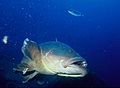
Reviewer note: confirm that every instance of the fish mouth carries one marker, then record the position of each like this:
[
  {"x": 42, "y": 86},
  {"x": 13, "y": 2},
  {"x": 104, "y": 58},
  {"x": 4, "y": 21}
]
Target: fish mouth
[
  {"x": 82, "y": 64},
  {"x": 73, "y": 71},
  {"x": 74, "y": 68},
  {"x": 71, "y": 75},
  {"x": 75, "y": 61}
]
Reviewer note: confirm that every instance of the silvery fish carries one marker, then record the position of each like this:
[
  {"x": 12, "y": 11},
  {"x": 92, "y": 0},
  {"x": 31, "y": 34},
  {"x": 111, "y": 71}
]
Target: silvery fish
[
  {"x": 50, "y": 58},
  {"x": 75, "y": 13}
]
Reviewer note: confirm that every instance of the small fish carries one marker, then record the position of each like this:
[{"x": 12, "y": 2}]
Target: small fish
[
  {"x": 50, "y": 58},
  {"x": 75, "y": 13}
]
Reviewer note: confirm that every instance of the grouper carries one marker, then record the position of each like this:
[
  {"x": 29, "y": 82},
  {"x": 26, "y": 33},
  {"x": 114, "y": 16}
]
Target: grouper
[{"x": 50, "y": 58}]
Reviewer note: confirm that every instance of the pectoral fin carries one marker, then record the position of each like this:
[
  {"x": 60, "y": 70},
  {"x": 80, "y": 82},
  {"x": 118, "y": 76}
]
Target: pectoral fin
[{"x": 30, "y": 49}]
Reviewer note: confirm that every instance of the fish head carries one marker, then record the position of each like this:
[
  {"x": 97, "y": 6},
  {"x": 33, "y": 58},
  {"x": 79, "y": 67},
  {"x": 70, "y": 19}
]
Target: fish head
[
  {"x": 64, "y": 66},
  {"x": 74, "y": 67}
]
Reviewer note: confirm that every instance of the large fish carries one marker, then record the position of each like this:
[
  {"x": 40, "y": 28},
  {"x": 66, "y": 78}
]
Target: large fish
[{"x": 50, "y": 58}]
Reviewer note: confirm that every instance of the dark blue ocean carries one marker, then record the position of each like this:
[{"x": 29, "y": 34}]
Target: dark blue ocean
[{"x": 95, "y": 35}]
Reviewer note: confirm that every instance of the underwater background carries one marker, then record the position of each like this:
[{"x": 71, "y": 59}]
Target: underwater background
[{"x": 95, "y": 35}]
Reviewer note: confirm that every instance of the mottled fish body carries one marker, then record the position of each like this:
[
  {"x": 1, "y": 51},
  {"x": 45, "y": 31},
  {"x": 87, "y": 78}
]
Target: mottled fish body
[{"x": 50, "y": 58}]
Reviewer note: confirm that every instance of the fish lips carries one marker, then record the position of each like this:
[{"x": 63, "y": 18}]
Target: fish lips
[{"x": 76, "y": 69}]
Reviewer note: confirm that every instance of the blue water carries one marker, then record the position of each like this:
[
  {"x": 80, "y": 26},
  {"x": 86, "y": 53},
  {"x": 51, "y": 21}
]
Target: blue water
[{"x": 95, "y": 36}]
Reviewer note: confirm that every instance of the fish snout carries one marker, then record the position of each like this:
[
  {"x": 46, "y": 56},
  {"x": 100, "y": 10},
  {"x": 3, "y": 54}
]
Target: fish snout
[
  {"x": 76, "y": 69},
  {"x": 84, "y": 64}
]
